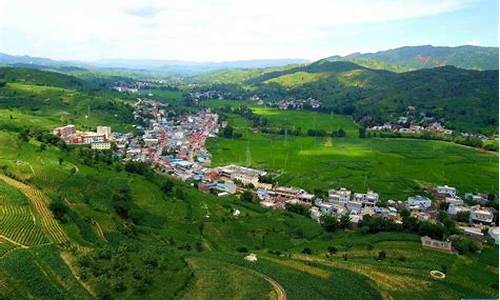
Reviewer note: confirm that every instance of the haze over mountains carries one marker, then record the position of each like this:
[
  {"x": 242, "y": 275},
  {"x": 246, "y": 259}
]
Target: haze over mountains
[{"x": 397, "y": 60}]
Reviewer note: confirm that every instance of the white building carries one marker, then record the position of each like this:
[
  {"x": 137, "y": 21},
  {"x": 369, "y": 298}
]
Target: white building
[
  {"x": 101, "y": 146},
  {"x": 418, "y": 203},
  {"x": 455, "y": 209},
  {"x": 104, "y": 130},
  {"x": 479, "y": 215},
  {"x": 454, "y": 201},
  {"x": 444, "y": 191},
  {"x": 342, "y": 195},
  {"x": 493, "y": 232}
]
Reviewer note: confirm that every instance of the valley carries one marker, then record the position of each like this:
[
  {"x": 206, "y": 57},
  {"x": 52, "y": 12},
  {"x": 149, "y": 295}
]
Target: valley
[{"x": 155, "y": 216}]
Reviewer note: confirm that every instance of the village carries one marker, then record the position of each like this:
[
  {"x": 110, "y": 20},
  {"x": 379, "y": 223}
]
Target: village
[
  {"x": 175, "y": 145},
  {"x": 412, "y": 122}
]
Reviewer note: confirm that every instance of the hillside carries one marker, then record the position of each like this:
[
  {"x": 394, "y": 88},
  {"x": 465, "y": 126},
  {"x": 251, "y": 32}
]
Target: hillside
[
  {"x": 419, "y": 57},
  {"x": 465, "y": 100}
]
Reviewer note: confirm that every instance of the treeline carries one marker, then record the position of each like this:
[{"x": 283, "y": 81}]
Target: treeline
[{"x": 471, "y": 141}]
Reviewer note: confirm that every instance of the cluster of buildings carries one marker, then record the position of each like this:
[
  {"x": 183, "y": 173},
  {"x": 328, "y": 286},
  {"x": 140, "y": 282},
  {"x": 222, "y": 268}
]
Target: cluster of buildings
[
  {"x": 135, "y": 86},
  {"x": 402, "y": 126},
  {"x": 234, "y": 179},
  {"x": 298, "y": 103},
  {"x": 100, "y": 139},
  {"x": 175, "y": 144}
]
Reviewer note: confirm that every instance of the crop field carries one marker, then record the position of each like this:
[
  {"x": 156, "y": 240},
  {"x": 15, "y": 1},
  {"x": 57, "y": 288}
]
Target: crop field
[
  {"x": 17, "y": 220},
  {"x": 219, "y": 280},
  {"x": 394, "y": 168}
]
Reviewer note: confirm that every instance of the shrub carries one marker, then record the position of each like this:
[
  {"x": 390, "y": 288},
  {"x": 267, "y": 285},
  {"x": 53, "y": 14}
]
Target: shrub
[{"x": 307, "y": 251}]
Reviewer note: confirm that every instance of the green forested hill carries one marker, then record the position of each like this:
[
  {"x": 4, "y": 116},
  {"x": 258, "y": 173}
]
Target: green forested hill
[
  {"x": 418, "y": 57},
  {"x": 465, "y": 100}
]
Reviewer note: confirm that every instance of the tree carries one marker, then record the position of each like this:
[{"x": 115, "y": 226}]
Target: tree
[
  {"x": 307, "y": 251},
  {"x": 228, "y": 132},
  {"x": 247, "y": 196},
  {"x": 167, "y": 186},
  {"x": 61, "y": 160},
  {"x": 59, "y": 209},
  {"x": 331, "y": 250},
  {"x": 345, "y": 221},
  {"x": 341, "y": 133},
  {"x": 298, "y": 209},
  {"x": 362, "y": 132},
  {"x": 381, "y": 255},
  {"x": 463, "y": 216},
  {"x": 330, "y": 223}
]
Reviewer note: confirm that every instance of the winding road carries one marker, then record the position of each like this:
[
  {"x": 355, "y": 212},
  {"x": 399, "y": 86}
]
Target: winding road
[{"x": 278, "y": 288}]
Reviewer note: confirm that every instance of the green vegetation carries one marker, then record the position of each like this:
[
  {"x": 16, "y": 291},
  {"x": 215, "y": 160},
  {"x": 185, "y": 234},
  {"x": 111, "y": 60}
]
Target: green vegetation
[
  {"x": 463, "y": 100},
  {"x": 123, "y": 231},
  {"x": 396, "y": 168}
]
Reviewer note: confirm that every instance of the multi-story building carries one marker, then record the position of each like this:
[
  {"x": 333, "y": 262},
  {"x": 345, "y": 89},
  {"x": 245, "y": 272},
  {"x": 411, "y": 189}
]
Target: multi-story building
[
  {"x": 104, "y": 130},
  {"x": 64, "y": 131},
  {"x": 342, "y": 195},
  {"x": 479, "y": 215}
]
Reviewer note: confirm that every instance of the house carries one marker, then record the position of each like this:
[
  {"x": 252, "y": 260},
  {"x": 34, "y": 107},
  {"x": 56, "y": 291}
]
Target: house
[
  {"x": 479, "y": 215},
  {"x": 455, "y": 209},
  {"x": 287, "y": 192},
  {"x": 245, "y": 175},
  {"x": 354, "y": 207},
  {"x": 427, "y": 242},
  {"x": 479, "y": 198},
  {"x": 493, "y": 232},
  {"x": 418, "y": 203},
  {"x": 473, "y": 232},
  {"x": 441, "y": 192},
  {"x": 368, "y": 199},
  {"x": 64, "y": 131},
  {"x": 454, "y": 201},
  {"x": 101, "y": 146},
  {"x": 104, "y": 130},
  {"x": 342, "y": 195},
  {"x": 315, "y": 213}
]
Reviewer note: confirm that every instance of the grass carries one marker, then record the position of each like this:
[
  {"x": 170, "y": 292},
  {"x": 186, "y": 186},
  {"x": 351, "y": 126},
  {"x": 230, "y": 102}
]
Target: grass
[
  {"x": 218, "y": 280},
  {"x": 394, "y": 168}
]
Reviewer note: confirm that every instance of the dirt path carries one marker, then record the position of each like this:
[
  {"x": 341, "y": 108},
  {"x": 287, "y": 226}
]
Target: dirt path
[
  {"x": 67, "y": 260},
  {"x": 13, "y": 242},
  {"x": 280, "y": 291}
]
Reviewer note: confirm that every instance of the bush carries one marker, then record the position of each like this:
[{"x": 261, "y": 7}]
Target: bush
[
  {"x": 465, "y": 245},
  {"x": 242, "y": 249},
  {"x": 59, "y": 209},
  {"x": 330, "y": 223},
  {"x": 307, "y": 251},
  {"x": 381, "y": 255}
]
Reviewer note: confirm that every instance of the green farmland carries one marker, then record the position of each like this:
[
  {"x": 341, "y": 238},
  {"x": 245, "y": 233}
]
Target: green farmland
[{"x": 394, "y": 168}]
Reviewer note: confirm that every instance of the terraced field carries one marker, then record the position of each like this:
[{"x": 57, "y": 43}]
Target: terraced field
[
  {"x": 18, "y": 223},
  {"x": 39, "y": 203}
]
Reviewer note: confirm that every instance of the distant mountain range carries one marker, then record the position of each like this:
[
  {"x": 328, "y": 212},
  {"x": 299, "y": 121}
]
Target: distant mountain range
[
  {"x": 413, "y": 58},
  {"x": 167, "y": 66}
]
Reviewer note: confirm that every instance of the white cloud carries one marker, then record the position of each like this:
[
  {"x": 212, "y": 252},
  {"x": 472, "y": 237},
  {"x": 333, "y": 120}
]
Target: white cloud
[{"x": 195, "y": 30}]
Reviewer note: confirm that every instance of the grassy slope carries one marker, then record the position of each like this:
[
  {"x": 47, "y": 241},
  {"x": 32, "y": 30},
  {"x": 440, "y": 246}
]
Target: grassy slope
[{"x": 394, "y": 168}]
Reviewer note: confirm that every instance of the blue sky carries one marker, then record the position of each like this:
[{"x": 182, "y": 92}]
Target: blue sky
[{"x": 222, "y": 30}]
